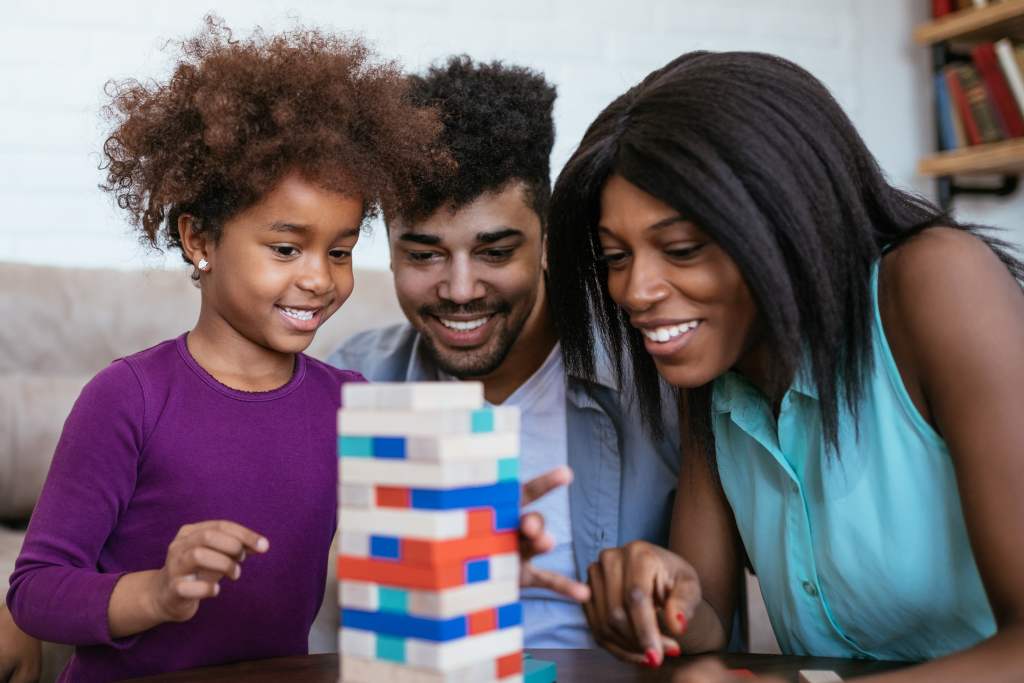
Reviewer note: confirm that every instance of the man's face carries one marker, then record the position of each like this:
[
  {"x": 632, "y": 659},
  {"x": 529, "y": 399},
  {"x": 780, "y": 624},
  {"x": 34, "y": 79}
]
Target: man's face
[{"x": 468, "y": 281}]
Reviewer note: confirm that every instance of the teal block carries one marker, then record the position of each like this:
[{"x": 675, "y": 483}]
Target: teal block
[
  {"x": 393, "y": 600},
  {"x": 355, "y": 446},
  {"x": 482, "y": 421},
  {"x": 392, "y": 648},
  {"x": 508, "y": 469},
  {"x": 538, "y": 671}
]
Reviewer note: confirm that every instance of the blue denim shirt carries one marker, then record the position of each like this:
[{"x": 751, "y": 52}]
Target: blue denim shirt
[{"x": 625, "y": 481}]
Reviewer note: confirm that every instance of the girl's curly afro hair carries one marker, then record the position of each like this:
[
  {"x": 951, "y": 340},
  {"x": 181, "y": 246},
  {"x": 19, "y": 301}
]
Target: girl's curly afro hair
[{"x": 236, "y": 116}]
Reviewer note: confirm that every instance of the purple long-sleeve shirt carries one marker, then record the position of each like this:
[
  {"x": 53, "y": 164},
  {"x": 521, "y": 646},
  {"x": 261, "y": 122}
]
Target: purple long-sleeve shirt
[{"x": 153, "y": 443}]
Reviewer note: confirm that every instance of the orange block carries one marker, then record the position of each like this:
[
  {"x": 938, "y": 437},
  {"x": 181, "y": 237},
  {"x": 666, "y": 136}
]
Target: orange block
[
  {"x": 483, "y": 621},
  {"x": 393, "y": 574},
  {"x": 389, "y": 497},
  {"x": 509, "y": 665},
  {"x": 443, "y": 552},
  {"x": 481, "y": 521}
]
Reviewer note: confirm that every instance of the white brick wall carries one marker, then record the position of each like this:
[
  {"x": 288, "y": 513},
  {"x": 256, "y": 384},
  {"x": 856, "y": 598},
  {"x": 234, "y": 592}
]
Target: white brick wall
[{"x": 56, "y": 55}]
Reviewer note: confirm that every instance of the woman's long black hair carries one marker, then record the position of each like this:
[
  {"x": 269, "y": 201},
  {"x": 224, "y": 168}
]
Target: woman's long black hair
[{"x": 754, "y": 151}]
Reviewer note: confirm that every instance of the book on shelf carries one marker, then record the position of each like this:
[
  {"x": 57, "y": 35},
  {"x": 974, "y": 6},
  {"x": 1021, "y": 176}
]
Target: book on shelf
[
  {"x": 947, "y": 132},
  {"x": 979, "y": 102},
  {"x": 958, "y": 96},
  {"x": 1013, "y": 69},
  {"x": 1004, "y": 104}
]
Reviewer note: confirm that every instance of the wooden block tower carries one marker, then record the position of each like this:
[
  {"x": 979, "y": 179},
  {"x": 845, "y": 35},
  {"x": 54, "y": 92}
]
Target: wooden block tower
[{"x": 428, "y": 509}]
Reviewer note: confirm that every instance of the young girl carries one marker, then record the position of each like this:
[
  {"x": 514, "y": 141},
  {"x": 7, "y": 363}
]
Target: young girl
[
  {"x": 850, "y": 373},
  {"x": 211, "y": 456}
]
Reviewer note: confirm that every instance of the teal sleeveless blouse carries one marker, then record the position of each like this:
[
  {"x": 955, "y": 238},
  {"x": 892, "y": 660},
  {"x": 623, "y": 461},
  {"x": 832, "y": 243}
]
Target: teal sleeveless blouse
[{"x": 863, "y": 556}]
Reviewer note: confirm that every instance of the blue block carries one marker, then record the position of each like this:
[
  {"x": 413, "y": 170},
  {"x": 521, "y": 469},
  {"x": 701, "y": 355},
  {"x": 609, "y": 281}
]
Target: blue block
[
  {"x": 388, "y": 447},
  {"x": 355, "y": 447},
  {"x": 510, "y": 615},
  {"x": 384, "y": 547},
  {"x": 478, "y": 570},
  {"x": 404, "y": 626},
  {"x": 506, "y": 517},
  {"x": 474, "y": 496},
  {"x": 538, "y": 671},
  {"x": 482, "y": 421}
]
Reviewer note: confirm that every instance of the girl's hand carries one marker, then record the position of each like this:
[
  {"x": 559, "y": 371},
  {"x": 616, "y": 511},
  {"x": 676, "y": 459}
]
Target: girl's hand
[
  {"x": 197, "y": 559},
  {"x": 534, "y": 540},
  {"x": 641, "y": 596},
  {"x": 21, "y": 655},
  {"x": 711, "y": 671}
]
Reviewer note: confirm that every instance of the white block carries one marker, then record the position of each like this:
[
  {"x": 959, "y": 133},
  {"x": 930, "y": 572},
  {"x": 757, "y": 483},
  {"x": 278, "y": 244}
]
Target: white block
[
  {"x": 356, "y": 670},
  {"x": 354, "y": 544},
  {"x": 463, "y": 446},
  {"x": 357, "y": 422},
  {"x": 358, "y": 595},
  {"x": 410, "y": 474},
  {"x": 430, "y": 525},
  {"x": 444, "y": 604},
  {"x": 356, "y": 496},
  {"x": 819, "y": 676},
  {"x": 358, "y": 643},
  {"x": 462, "y": 652},
  {"x": 413, "y": 395},
  {"x": 505, "y": 567},
  {"x": 472, "y": 597}
]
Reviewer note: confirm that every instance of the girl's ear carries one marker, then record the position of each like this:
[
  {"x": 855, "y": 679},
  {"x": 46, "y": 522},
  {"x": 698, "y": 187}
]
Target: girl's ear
[{"x": 193, "y": 244}]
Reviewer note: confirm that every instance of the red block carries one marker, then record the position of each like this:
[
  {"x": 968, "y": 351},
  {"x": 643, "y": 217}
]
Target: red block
[
  {"x": 389, "y": 497},
  {"x": 483, "y": 621},
  {"x": 442, "y": 552},
  {"x": 434, "y": 577},
  {"x": 510, "y": 665},
  {"x": 481, "y": 521}
]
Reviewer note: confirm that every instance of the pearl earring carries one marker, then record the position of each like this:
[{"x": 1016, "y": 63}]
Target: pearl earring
[{"x": 203, "y": 264}]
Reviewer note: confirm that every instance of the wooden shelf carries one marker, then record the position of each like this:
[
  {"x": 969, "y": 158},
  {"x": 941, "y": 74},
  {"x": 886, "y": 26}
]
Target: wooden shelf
[
  {"x": 994, "y": 158},
  {"x": 1001, "y": 20}
]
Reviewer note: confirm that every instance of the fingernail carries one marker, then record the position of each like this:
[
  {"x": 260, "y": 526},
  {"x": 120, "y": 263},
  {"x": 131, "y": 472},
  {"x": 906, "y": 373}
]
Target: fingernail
[
  {"x": 262, "y": 545},
  {"x": 238, "y": 571},
  {"x": 652, "y": 659},
  {"x": 673, "y": 652},
  {"x": 682, "y": 622}
]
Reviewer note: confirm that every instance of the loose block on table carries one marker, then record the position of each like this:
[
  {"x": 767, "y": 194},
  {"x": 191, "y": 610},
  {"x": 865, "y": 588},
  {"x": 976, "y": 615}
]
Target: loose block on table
[
  {"x": 426, "y": 628},
  {"x": 407, "y": 423},
  {"x": 482, "y": 446},
  {"x": 819, "y": 676},
  {"x": 428, "y": 475},
  {"x": 451, "y": 602},
  {"x": 437, "y": 577},
  {"x": 538, "y": 671},
  {"x": 358, "y": 670},
  {"x": 434, "y": 656},
  {"x": 413, "y": 395},
  {"x": 425, "y": 553}
]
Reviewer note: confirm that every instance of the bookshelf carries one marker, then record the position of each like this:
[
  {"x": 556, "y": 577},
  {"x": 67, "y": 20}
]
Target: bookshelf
[{"x": 956, "y": 33}]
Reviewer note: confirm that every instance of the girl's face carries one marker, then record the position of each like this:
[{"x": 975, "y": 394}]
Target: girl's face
[
  {"x": 680, "y": 289},
  {"x": 284, "y": 266}
]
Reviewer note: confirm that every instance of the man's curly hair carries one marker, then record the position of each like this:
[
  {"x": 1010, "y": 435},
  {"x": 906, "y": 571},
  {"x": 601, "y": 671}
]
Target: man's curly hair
[
  {"x": 497, "y": 127},
  {"x": 237, "y": 116}
]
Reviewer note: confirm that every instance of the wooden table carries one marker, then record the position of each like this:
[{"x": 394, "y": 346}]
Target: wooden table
[{"x": 574, "y": 666}]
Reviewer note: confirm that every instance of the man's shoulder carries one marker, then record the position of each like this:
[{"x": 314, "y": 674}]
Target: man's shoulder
[{"x": 381, "y": 354}]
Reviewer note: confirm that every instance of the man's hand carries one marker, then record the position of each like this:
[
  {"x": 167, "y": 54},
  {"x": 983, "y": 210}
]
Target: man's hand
[
  {"x": 534, "y": 540},
  {"x": 21, "y": 655}
]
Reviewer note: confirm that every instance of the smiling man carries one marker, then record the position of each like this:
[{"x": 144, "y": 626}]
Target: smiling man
[{"x": 469, "y": 269}]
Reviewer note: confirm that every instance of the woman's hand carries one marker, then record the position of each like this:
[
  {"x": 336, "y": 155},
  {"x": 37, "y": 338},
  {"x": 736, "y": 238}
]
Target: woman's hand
[
  {"x": 711, "y": 671},
  {"x": 534, "y": 540},
  {"x": 197, "y": 559},
  {"x": 21, "y": 655},
  {"x": 642, "y": 596}
]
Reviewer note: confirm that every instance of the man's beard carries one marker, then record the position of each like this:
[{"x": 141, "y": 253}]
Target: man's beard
[{"x": 476, "y": 362}]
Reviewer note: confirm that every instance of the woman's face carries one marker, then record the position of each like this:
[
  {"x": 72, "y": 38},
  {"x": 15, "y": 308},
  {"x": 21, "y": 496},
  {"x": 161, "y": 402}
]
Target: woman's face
[{"x": 680, "y": 289}]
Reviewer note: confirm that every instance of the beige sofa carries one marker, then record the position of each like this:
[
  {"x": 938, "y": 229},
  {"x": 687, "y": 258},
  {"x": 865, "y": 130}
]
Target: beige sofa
[{"x": 61, "y": 326}]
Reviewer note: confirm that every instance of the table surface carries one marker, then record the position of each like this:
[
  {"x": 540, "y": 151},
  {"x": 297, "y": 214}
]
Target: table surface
[{"x": 574, "y": 666}]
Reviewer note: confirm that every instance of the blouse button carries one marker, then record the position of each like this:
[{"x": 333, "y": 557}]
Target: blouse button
[{"x": 810, "y": 589}]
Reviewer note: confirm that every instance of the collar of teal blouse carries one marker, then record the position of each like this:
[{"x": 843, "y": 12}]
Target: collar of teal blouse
[{"x": 735, "y": 393}]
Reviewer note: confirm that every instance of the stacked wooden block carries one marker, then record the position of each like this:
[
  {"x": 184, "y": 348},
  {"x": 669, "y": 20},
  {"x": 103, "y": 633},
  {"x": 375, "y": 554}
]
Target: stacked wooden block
[{"x": 428, "y": 568}]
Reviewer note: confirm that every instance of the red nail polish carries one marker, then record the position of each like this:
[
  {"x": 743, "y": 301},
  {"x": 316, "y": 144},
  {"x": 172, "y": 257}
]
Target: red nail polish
[
  {"x": 682, "y": 622},
  {"x": 652, "y": 659},
  {"x": 673, "y": 652}
]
